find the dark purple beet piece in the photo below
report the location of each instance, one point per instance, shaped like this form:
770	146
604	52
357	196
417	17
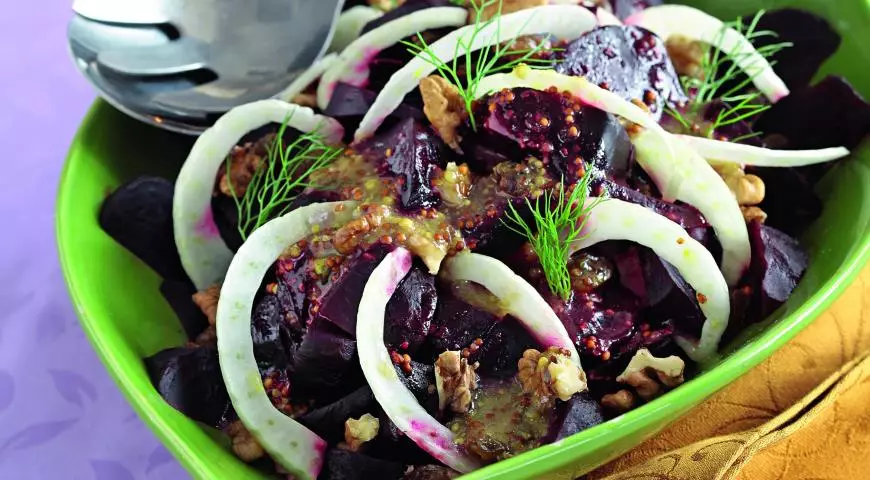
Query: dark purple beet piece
349	104
502	347
627	60
138	215
670	297
340	301
456	325
346	465
409	7
536	122
491	236
328	420
814	41
626	8
274	343
179	295
422	376
828	114
392	444
789	199
578	413
410	311
190	380
325	365
226	218
778	263
430	472
412	153
686	215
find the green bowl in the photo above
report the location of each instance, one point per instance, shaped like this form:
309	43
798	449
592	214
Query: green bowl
125	317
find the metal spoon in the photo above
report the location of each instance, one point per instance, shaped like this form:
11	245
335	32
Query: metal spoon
179	64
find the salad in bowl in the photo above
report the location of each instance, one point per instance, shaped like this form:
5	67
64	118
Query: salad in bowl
481	227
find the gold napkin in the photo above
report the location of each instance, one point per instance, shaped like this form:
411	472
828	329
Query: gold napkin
802	414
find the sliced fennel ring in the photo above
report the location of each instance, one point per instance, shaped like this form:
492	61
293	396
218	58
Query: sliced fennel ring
397	401
516	296
307	78
668	20
718	151
350	24
613	219
296	448
352	65
565	22
204	254
524	76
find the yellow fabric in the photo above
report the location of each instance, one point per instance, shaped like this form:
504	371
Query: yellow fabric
804	414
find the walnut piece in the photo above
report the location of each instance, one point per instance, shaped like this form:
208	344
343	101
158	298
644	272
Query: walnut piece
245	446
244	161
748	189
686	54
551	373
507	6
443	107
454	380
753	214
647	373
359	431
619	402
207	301
306	99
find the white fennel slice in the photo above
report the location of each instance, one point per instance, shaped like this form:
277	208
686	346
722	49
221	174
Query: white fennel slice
717	151
525	77
350	24
668	20
296	448
352	66
307	77
397	401
564	22
204	254
700	186
613	219
516	296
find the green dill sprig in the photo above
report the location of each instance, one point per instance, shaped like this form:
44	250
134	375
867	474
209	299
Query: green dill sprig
489	58
279	178
559	219
720	70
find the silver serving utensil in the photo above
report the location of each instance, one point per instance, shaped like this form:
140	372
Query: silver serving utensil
179	64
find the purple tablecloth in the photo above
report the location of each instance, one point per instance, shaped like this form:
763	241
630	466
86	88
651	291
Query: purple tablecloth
61	416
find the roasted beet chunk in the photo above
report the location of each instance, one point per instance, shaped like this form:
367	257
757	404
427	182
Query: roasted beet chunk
420	382
778	263
350	103
346	465
828	114
491	236
178	294
686	215
328	421
190	380
412	153
537	122
578	413
340	301
629	61
138	215
503	345
410	311
670	297
803	206
325	365
274	343
813	41
456	325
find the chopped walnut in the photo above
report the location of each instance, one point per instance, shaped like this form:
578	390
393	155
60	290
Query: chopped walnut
444	108
619	402
551	373
358	432
244	162
305	99
753	214
207	301
245	446
491	9
647	373
454	380
454	185
687	55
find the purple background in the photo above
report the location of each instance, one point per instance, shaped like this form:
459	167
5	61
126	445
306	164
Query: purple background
61	416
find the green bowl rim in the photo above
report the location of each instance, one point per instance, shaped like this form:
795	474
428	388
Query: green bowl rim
735	365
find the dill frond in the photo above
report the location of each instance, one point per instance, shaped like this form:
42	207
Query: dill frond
279	178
